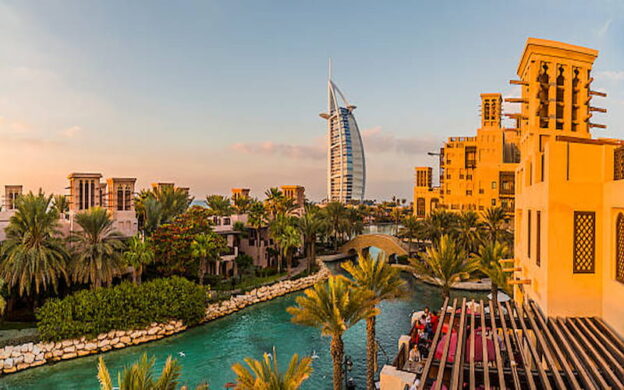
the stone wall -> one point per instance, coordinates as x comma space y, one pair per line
20, 357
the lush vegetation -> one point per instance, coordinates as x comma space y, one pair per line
265, 374
126, 306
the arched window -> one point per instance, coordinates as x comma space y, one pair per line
619, 250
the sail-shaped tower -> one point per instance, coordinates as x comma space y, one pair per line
346, 167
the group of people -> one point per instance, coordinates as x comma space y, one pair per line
424, 326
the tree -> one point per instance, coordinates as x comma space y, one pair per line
265, 375
444, 264
494, 221
437, 224
96, 248
333, 307
160, 206
488, 257
138, 254
219, 205
61, 204
352, 223
33, 254
384, 281
468, 231
310, 225
396, 215
273, 199
206, 247
411, 229
334, 214
138, 376
286, 237
242, 204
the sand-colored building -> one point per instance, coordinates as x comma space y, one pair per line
240, 193
569, 243
296, 193
475, 172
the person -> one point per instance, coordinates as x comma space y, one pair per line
414, 355
423, 321
435, 318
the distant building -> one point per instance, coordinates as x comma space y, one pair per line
346, 168
11, 193
475, 172
295, 192
240, 193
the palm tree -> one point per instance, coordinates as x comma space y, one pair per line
33, 254
494, 220
96, 247
468, 231
139, 254
411, 229
287, 240
396, 215
310, 225
445, 264
265, 375
138, 376
273, 199
488, 258
206, 247
334, 214
61, 204
173, 201
438, 223
220, 205
242, 204
379, 277
333, 307
352, 223
257, 218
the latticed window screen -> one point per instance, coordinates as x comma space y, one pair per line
619, 250
420, 207
618, 163
584, 242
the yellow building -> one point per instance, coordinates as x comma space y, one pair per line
296, 193
475, 172
569, 225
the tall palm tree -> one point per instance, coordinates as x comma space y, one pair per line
257, 218
220, 205
206, 247
468, 231
242, 204
138, 254
173, 201
396, 214
310, 225
334, 214
437, 224
445, 264
265, 375
411, 229
488, 257
287, 240
273, 199
139, 376
96, 247
333, 307
34, 257
61, 204
379, 277
494, 220
352, 223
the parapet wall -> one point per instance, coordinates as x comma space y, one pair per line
15, 358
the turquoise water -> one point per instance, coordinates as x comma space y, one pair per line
209, 350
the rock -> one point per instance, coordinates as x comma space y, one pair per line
36, 349
120, 333
153, 330
125, 339
71, 348
29, 357
18, 359
83, 353
67, 343
8, 363
114, 341
102, 336
119, 345
103, 343
80, 346
39, 357
90, 346
69, 355
38, 363
106, 348
22, 366
10, 370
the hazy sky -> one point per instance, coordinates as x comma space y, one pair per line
219, 94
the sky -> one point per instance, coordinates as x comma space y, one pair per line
221, 94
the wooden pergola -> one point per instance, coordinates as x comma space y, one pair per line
531, 351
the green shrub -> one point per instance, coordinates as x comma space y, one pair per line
18, 336
126, 306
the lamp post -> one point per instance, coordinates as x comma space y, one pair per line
347, 366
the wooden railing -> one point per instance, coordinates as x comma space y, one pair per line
399, 360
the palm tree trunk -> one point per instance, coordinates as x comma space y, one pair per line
371, 353
134, 275
201, 271
312, 258
337, 353
289, 261
139, 274
446, 292
494, 293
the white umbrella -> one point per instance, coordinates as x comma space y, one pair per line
502, 297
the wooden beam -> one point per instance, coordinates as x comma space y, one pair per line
571, 355
560, 357
486, 374
580, 351
597, 109
516, 100
602, 349
606, 330
471, 355
589, 82
545, 348
499, 364
445, 349
518, 82
516, 115
514, 269
434, 343
526, 360
459, 350
519, 281
596, 93
597, 125
506, 261
618, 352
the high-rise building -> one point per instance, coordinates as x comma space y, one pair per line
346, 168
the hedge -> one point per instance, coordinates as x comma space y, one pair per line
123, 307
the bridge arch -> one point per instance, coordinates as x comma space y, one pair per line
389, 244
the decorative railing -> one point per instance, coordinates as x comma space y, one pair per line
618, 163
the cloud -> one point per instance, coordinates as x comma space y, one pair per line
610, 75
604, 28
378, 141
71, 132
268, 148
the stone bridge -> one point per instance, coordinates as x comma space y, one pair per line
389, 244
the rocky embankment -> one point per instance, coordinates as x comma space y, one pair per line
15, 358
